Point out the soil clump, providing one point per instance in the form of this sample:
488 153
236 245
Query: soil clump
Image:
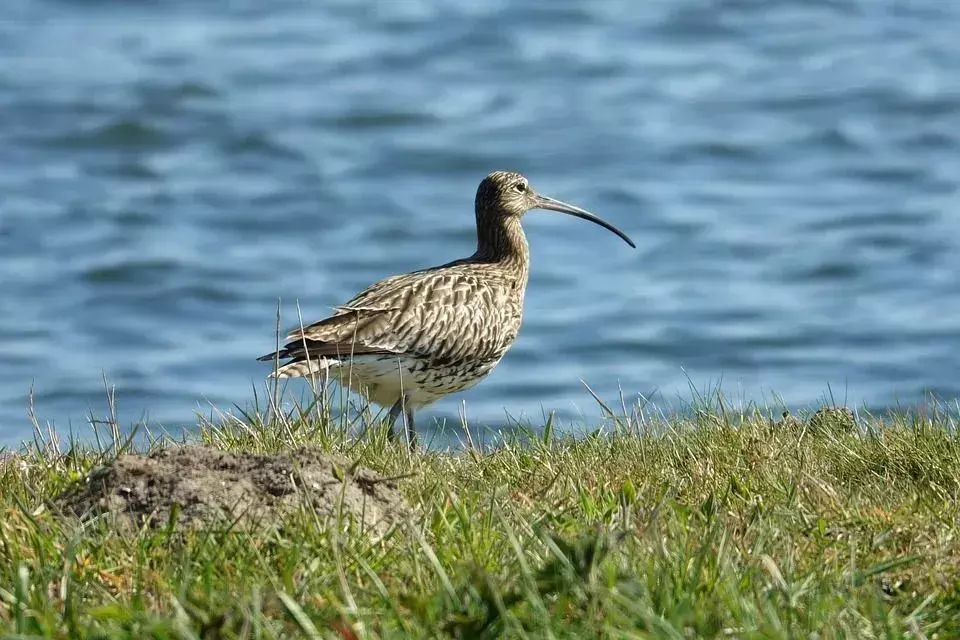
208 485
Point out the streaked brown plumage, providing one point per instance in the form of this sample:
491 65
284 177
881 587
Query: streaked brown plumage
411 339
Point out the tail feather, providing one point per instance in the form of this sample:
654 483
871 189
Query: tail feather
300 364
317 349
310 357
303 368
283 354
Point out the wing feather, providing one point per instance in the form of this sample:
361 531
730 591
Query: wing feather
444 314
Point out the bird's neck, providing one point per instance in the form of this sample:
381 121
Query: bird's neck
502 241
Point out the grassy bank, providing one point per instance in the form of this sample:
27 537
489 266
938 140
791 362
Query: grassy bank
713 525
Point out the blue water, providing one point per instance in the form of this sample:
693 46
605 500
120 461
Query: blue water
789 171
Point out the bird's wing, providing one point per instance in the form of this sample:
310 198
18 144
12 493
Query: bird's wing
352 329
441 314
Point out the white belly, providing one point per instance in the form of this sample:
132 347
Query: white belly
384 379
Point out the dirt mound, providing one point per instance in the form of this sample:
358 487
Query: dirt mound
210 485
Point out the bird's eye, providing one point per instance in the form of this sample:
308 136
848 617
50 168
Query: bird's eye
520 186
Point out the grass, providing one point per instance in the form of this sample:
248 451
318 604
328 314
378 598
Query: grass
711 524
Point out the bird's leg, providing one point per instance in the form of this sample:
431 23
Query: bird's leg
411 433
395 412
403 406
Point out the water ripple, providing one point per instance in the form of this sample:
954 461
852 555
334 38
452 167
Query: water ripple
121 134
788 170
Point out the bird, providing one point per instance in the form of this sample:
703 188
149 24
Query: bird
413 338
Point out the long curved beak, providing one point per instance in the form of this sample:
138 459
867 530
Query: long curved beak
543 202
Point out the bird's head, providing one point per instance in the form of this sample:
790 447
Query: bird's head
508 194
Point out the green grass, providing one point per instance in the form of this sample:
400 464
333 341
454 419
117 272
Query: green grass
714 524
